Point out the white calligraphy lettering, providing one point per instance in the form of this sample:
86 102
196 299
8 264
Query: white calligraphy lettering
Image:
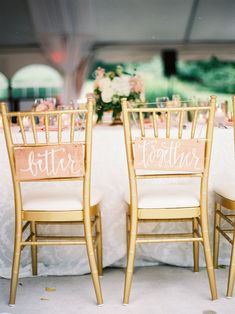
169 154
50 163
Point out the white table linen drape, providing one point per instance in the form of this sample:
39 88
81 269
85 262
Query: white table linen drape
110 176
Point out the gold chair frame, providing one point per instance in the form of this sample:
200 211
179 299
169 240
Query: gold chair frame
89 216
221 201
198 215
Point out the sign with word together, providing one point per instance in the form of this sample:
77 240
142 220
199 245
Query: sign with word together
55 161
184 155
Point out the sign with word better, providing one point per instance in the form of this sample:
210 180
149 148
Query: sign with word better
186 155
55 161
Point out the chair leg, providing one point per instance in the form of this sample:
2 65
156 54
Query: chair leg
130 261
231 276
208 256
15 269
99 249
217 220
92 262
34 249
127 232
195 246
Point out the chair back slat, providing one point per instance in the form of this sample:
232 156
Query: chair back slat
194 123
168 124
59 117
72 123
22 128
155 126
35 135
47 129
142 124
181 124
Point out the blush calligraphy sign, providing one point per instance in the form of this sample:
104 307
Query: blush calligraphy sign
186 155
55 161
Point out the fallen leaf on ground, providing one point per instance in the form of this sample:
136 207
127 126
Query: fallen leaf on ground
48 289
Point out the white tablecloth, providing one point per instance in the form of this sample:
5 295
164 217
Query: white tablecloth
109 174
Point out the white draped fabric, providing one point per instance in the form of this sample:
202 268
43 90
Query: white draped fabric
64 31
109 175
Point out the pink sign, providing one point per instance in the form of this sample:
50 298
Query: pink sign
186 155
56 161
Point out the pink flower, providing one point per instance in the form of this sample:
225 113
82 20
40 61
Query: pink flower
42 107
50 105
46 106
88 95
99 73
136 84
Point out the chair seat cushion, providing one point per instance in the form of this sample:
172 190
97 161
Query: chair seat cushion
168 194
226 187
56 196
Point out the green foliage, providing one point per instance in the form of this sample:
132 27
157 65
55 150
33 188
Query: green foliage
216 75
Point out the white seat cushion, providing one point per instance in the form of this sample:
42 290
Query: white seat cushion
226 187
168 194
55 196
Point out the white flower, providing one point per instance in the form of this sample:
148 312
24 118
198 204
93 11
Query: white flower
107 94
105 83
121 86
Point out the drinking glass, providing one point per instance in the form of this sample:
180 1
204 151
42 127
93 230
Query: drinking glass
50 102
38 106
37 102
81 104
176 100
162 101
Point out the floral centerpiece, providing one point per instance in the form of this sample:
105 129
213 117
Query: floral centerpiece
110 87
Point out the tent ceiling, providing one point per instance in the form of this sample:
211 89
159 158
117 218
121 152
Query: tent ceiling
141 21
108 23
15 24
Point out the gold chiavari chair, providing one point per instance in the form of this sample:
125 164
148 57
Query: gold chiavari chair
50 205
225 198
177 204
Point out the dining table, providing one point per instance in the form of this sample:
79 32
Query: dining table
110 178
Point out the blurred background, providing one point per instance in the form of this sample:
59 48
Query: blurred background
52 47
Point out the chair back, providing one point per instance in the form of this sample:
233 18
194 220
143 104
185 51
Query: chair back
169 151
49 146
